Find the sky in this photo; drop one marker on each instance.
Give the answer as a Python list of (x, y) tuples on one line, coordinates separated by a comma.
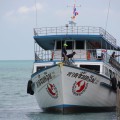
[(18, 19)]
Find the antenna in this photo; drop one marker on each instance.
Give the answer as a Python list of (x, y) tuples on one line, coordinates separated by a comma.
[(107, 15), (36, 11)]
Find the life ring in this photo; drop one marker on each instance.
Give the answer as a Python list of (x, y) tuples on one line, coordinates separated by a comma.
[(88, 55), (52, 56), (114, 83), (29, 88)]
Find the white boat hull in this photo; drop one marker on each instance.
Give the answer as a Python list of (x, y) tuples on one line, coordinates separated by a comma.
[(70, 89)]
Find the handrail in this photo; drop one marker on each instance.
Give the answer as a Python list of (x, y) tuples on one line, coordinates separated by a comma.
[(63, 30), (89, 54)]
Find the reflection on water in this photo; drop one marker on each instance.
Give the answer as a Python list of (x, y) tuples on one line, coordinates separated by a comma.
[(37, 115), (82, 116)]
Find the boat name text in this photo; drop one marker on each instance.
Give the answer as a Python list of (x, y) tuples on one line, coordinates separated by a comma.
[(43, 80), (83, 76)]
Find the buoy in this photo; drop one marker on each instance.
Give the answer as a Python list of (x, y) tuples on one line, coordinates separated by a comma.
[(29, 88)]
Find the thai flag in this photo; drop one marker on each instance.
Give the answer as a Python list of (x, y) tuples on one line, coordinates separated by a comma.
[(74, 11)]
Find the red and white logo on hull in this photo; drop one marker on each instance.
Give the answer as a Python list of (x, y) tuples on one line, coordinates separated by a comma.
[(52, 90), (79, 87)]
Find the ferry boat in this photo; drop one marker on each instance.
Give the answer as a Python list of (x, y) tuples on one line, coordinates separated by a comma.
[(85, 82)]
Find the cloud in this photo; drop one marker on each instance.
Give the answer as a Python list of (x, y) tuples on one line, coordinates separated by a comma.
[(22, 13), (24, 10)]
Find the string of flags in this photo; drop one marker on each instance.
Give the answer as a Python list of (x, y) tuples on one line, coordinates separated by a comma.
[(75, 13)]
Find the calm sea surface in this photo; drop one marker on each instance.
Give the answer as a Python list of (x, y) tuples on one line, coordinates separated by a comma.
[(16, 104)]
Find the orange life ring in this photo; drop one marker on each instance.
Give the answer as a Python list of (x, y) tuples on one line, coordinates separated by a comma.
[(88, 55), (52, 55)]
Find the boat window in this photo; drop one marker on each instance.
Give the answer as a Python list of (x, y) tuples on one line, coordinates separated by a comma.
[(95, 68), (59, 44), (70, 45), (79, 44), (40, 67)]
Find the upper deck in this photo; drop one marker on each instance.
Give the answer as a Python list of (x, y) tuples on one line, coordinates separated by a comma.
[(49, 34)]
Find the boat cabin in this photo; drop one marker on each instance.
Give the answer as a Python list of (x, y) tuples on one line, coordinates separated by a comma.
[(93, 47)]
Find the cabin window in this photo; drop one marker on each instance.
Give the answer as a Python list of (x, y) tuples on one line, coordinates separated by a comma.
[(40, 67), (79, 44), (95, 68), (59, 44), (70, 45)]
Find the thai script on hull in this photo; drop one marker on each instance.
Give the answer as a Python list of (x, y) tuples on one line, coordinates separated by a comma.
[(44, 79), (83, 76)]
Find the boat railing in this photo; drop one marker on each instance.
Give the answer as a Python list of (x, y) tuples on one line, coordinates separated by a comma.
[(89, 55), (107, 36), (65, 30), (56, 55)]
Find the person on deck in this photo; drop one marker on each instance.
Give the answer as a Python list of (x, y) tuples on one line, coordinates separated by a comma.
[(64, 51), (114, 56)]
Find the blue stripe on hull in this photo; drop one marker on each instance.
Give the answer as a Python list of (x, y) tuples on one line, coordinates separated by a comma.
[(65, 109)]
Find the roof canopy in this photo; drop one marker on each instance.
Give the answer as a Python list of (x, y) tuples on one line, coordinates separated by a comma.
[(46, 37), (47, 42)]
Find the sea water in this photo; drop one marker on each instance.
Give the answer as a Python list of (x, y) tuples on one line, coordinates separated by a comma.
[(16, 104)]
